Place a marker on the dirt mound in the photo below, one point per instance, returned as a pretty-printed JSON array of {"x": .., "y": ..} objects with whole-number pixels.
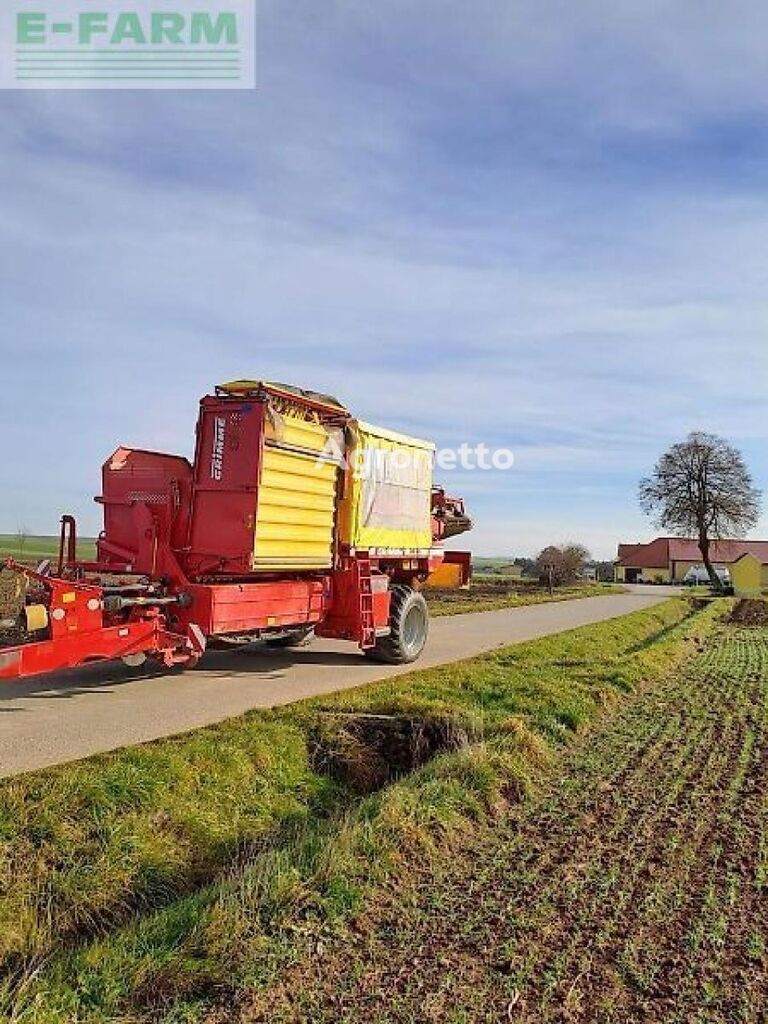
[{"x": 750, "y": 612}]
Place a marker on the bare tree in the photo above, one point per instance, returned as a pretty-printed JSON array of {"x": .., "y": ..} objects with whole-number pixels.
[
  {"x": 548, "y": 562},
  {"x": 22, "y": 536},
  {"x": 701, "y": 486},
  {"x": 559, "y": 565}
]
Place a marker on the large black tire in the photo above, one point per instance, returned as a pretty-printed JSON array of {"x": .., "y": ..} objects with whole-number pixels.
[
  {"x": 409, "y": 626},
  {"x": 291, "y": 638}
]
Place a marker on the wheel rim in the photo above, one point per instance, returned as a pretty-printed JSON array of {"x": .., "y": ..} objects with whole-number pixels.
[{"x": 414, "y": 628}]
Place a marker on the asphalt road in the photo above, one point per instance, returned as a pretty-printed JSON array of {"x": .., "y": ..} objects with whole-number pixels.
[{"x": 65, "y": 716}]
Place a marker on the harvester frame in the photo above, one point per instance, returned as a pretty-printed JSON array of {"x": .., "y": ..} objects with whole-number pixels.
[{"x": 177, "y": 566}]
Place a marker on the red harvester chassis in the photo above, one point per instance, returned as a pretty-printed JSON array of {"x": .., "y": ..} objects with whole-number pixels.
[
  {"x": 79, "y": 630},
  {"x": 88, "y": 620},
  {"x": 176, "y": 563}
]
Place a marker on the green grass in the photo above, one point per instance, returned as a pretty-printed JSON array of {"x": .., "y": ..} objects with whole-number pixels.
[
  {"x": 34, "y": 549},
  {"x": 494, "y": 594},
  {"x": 631, "y": 887},
  {"x": 162, "y": 874},
  {"x": 485, "y": 564}
]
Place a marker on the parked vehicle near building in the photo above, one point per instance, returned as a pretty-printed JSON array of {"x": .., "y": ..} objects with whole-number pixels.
[
  {"x": 669, "y": 559},
  {"x": 697, "y": 575}
]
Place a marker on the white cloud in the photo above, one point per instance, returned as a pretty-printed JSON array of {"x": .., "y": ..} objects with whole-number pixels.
[{"x": 425, "y": 209}]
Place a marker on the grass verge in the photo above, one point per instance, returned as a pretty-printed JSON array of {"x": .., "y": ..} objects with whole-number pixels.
[
  {"x": 488, "y": 595},
  {"x": 632, "y": 887},
  {"x": 150, "y": 879}
]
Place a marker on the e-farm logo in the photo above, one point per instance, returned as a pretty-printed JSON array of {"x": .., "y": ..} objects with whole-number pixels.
[{"x": 135, "y": 44}]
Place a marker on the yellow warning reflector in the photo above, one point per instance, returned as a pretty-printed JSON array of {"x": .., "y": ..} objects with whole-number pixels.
[
  {"x": 271, "y": 620},
  {"x": 69, "y": 598},
  {"x": 37, "y": 617}
]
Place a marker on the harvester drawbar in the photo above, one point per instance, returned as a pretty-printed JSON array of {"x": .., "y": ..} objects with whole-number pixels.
[{"x": 293, "y": 517}]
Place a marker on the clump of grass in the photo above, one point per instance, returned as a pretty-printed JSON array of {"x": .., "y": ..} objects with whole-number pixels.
[{"x": 190, "y": 865}]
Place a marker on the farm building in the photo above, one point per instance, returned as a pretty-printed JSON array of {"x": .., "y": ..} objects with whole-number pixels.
[{"x": 668, "y": 559}]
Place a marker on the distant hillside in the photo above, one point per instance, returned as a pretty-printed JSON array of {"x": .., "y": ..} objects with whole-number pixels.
[
  {"x": 501, "y": 566},
  {"x": 32, "y": 549}
]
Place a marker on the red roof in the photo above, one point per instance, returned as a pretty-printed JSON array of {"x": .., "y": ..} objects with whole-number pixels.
[
  {"x": 645, "y": 556},
  {"x": 663, "y": 550}
]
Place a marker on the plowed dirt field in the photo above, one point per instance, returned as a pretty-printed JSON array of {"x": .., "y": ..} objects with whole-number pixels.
[{"x": 634, "y": 888}]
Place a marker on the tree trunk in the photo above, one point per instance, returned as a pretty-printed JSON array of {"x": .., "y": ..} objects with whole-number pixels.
[{"x": 714, "y": 579}]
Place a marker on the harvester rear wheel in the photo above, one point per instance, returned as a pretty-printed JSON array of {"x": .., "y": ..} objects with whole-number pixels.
[{"x": 409, "y": 626}]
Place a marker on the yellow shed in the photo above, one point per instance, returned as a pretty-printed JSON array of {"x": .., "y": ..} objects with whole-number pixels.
[{"x": 747, "y": 576}]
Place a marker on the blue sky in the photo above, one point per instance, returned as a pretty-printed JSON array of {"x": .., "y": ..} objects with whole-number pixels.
[{"x": 541, "y": 226}]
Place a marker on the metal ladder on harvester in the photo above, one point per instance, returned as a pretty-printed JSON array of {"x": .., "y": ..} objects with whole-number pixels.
[{"x": 365, "y": 598}]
